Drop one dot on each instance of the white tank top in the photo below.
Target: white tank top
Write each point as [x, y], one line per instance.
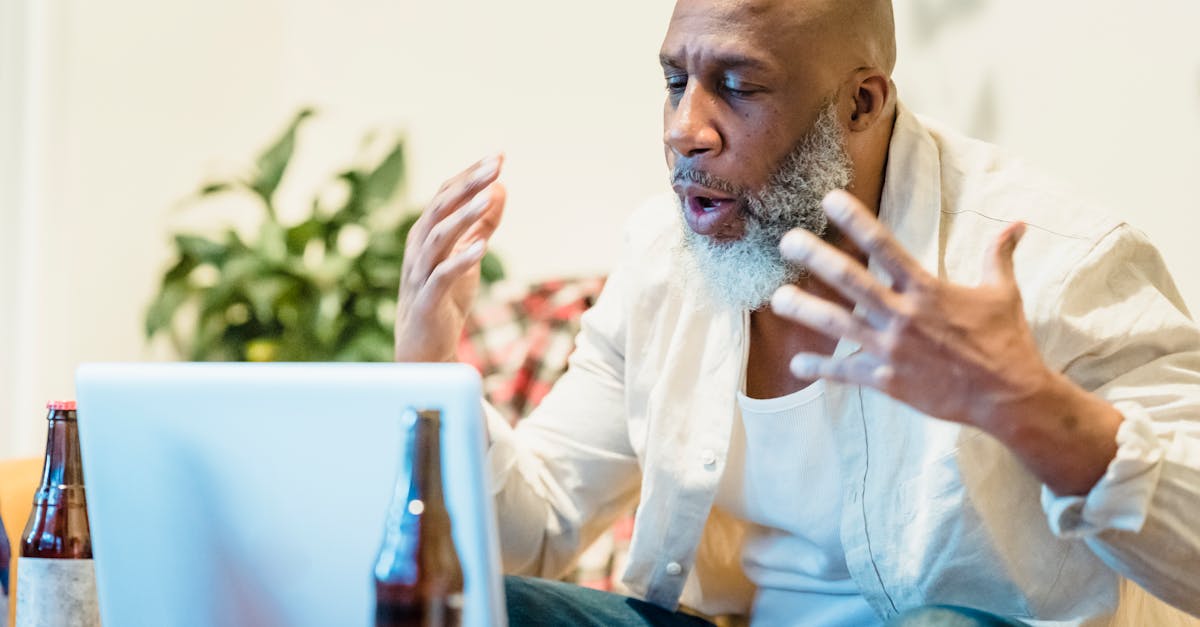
[782, 481]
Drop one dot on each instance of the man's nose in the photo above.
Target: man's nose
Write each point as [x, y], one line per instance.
[689, 127]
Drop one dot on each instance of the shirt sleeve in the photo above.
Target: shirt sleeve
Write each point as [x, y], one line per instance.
[565, 473]
[1125, 334]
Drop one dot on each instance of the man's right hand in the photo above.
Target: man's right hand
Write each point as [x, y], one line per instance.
[442, 258]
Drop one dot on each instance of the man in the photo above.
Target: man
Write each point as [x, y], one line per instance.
[893, 406]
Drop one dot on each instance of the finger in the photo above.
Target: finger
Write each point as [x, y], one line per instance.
[823, 316]
[872, 237]
[449, 271]
[454, 192]
[857, 369]
[486, 225]
[446, 237]
[838, 270]
[998, 265]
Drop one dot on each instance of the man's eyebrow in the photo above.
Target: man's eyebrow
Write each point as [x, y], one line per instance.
[726, 60]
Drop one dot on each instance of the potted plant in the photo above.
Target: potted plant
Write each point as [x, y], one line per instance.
[321, 289]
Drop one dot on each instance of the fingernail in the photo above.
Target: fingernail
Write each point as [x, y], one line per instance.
[795, 244]
[487, 167]
[780, 300]
[480, 202]
[804, 366]
[835, 203]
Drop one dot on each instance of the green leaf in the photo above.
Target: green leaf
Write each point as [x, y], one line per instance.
[205, 347]
[406, 225]
[272, 243]
[180, 270]
[237, 273]
[162, 310]
[234, 243]
[215, 188]
[332, 270]
[490, 268]
[352, 209]
[273, 162]
[370, 342]
[201, 249]
[380, 184]
[381, 273]
[329, 320]
[385, 244]
[300, 235]
[264, 294]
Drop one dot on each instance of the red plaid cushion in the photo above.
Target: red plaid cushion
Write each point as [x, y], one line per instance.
[519, 339]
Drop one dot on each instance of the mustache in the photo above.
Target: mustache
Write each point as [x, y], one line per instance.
[687, 173]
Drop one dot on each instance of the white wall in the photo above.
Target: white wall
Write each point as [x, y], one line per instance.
[1102, 94]
[147, 97]
[143, 98]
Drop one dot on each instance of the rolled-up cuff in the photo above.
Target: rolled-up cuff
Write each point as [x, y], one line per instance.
[1121, 499]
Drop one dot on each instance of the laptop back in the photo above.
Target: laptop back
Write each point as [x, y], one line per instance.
[252, 494]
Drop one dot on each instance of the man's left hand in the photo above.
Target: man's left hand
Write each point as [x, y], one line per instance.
[956, 352]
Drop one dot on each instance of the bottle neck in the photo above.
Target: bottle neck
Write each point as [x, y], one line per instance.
[427, 463]
[417, 512]
[62, 472]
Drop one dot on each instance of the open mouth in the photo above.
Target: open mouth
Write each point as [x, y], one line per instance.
[709, 211]
[711, 215]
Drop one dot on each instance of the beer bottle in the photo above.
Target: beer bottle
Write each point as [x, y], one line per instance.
[418, 578]
[5, 560]
[56, 582]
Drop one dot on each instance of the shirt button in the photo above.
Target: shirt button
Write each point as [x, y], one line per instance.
[673, 569]
[708, 458]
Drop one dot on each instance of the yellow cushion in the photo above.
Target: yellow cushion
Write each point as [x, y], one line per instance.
[18, 481]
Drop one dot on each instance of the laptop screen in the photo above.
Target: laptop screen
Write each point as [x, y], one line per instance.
[255, 494]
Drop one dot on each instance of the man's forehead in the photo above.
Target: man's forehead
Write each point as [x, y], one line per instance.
[752, 25]
[832, 36]
[754, 13]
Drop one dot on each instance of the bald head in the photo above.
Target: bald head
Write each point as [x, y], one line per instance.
[839, 35]
[867, 25]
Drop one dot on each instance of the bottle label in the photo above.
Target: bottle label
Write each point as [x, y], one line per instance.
[56, 593]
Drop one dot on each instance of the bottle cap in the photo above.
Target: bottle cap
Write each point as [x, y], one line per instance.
[61, 405]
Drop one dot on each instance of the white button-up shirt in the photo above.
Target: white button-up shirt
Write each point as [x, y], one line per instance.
[933, 512]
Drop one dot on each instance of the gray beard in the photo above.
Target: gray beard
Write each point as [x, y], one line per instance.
[745, 273]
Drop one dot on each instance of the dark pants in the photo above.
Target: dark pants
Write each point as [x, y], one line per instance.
[535, 602]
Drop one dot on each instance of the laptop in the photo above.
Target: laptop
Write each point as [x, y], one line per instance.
[255, 494]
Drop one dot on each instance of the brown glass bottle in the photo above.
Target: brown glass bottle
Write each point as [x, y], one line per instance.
[418, 577]
[56, 581]
[5, 560]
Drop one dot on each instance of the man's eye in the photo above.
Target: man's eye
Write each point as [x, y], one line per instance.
[738, 90]
[676, 84]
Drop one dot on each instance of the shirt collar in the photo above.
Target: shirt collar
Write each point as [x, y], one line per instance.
[912, 190]
[911, 203]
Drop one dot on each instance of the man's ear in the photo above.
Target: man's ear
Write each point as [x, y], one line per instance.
[873, 94]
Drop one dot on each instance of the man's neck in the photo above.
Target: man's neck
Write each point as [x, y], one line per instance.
[870, 163]
[774, 340]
